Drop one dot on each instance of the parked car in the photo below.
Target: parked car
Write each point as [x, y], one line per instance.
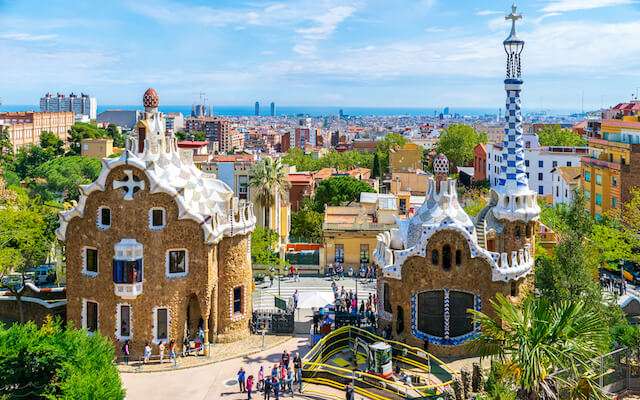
[44, 274]
[12, 280]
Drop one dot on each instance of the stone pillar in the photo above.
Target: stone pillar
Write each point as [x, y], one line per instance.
[234, 271]
[206, 335]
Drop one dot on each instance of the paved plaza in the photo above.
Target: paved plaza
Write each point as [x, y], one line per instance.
[217, 380]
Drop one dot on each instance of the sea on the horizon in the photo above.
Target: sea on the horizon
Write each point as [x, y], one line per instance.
[312, 111]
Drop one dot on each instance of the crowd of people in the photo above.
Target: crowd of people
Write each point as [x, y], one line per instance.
[279, 381]
[613, 284]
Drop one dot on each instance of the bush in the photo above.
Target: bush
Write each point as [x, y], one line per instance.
[52, 362]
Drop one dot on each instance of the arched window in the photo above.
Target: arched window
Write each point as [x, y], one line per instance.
[399, 320]
[529, 231]
[458, 258]
[446, 257]
[518, 232]
[514, 289]
[435, 257]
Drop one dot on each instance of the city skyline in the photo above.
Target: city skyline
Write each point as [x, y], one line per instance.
[418, 54]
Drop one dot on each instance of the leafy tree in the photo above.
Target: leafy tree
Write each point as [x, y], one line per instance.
[29, 158]
[59, 178]
[180, 135]
[338, 190]
[269, 178]
[375, 172]
[23, 244]
[83, 130]
[457, 143]
[554, 135]
[116, 134]
[307, 224]
[340, 161]
[390, 142]
[52, 143]
[540, 336]
[199, 136]
[52, 362]
[571, 272]
[6, 147]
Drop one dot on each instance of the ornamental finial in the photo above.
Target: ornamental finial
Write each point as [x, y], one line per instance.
[514, 16]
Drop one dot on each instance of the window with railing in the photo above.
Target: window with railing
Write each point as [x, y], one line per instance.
[364, 253]
[598, 179]
[339, 253]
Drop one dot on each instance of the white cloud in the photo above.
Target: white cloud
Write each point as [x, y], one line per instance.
[485, 13]
[559, 6]
[327, 23]
[26, 37]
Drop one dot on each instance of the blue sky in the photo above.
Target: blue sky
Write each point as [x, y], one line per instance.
[318, 52]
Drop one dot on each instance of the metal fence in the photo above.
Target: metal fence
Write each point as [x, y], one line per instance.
[612, 373]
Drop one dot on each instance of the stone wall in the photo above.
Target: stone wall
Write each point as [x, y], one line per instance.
[129, 219]
[32, 311]
[473, 276]
[234, 261]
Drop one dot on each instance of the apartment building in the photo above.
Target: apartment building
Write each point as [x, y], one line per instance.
[24, 128]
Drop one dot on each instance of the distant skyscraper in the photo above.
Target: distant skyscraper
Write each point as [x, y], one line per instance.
[273, 109]
[341, 113]
[446, 111]
[81, 106]
[257, 108]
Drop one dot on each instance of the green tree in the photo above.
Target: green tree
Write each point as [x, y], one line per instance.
[571, 272]
[52, 362]
[375, 172]
[554, 135]
[83, 130]
[28, 158]
[52, 143]
[199, 136]
[116, 134]
[24, 243]
[390, 142]
[338, 190]
[59, 178]
[457, 143]
[6, 147]
[538, 337]
[306, 224]
[269, 178]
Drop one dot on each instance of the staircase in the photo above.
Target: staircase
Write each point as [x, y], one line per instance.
[480, 227]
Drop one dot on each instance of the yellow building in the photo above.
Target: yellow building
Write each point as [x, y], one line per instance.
[350, 233]
[96, 148]
[405, 159]
[613, 165]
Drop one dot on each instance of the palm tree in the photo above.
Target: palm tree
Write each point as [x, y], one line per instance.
[269, 178]
[537, 338]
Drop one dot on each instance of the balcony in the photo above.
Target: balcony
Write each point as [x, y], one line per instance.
[128, 290]
[604, 164]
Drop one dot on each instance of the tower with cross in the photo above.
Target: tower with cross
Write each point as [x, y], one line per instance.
[515, 200]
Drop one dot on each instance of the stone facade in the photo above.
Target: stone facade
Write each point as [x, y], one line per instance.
[419, 274]
[198, 216]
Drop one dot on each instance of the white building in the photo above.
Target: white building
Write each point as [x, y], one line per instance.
[538, 160]
[83, 106]
[174, 122]
[565, 182]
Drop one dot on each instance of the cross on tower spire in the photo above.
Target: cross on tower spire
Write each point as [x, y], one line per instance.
[514, 16]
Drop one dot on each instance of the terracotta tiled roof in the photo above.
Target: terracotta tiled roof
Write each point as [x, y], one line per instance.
[305, 177]
[192, 144]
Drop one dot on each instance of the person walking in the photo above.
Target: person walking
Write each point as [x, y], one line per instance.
[172, 352]
[350, 392]
[285, 358]
[260, 385]
[241, 380]
[289, 381]
[126, 352]
[297, 369]
[295, 299]
[249, 386]
[267, 388]
[147, 353]
[161, 351]
[276, 388]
